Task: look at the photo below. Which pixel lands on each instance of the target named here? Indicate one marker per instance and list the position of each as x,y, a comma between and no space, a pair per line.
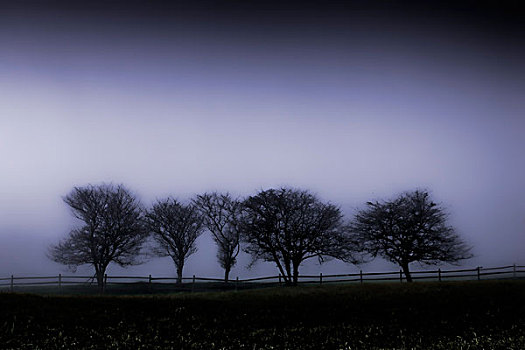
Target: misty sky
354,104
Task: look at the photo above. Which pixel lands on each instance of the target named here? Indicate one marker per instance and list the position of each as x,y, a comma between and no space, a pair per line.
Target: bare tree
175,228
410,228
287,226
112,229
221,215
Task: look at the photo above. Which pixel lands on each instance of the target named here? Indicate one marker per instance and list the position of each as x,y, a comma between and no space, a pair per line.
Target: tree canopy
221,214
287,226
175,228
111,231
409,228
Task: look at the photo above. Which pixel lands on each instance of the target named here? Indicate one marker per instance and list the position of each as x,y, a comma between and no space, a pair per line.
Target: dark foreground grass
468,315
139,288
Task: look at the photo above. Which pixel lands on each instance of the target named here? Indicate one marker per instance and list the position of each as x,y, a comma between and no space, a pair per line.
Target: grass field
456,315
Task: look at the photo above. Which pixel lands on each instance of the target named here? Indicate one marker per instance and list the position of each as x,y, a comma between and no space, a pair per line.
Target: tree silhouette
221,215
112,229
175,228
287,226
407,229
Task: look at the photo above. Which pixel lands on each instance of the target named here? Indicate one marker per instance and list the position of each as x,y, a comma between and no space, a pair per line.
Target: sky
354,101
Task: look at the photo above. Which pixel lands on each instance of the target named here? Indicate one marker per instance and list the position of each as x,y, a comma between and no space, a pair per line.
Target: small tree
221,215
175,228
407,229
287,226
111,231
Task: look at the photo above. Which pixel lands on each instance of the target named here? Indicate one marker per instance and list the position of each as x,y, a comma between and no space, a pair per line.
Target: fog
354,105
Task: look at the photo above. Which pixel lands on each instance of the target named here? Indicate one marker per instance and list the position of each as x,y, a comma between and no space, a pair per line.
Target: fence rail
152,284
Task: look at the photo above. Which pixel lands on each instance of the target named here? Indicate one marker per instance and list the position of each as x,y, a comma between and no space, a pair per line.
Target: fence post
237,283
193,284
280,280
12,283
320,278
439,275
514,271
59,281
401,276
361,276
105,283
149,283
479,273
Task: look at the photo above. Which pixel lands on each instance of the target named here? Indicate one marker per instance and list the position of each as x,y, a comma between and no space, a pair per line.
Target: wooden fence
148,284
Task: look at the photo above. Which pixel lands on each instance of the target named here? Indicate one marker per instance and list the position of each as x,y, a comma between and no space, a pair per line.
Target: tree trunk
99,272
179,272
295,274
406,271
227,274
289,277
281,272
